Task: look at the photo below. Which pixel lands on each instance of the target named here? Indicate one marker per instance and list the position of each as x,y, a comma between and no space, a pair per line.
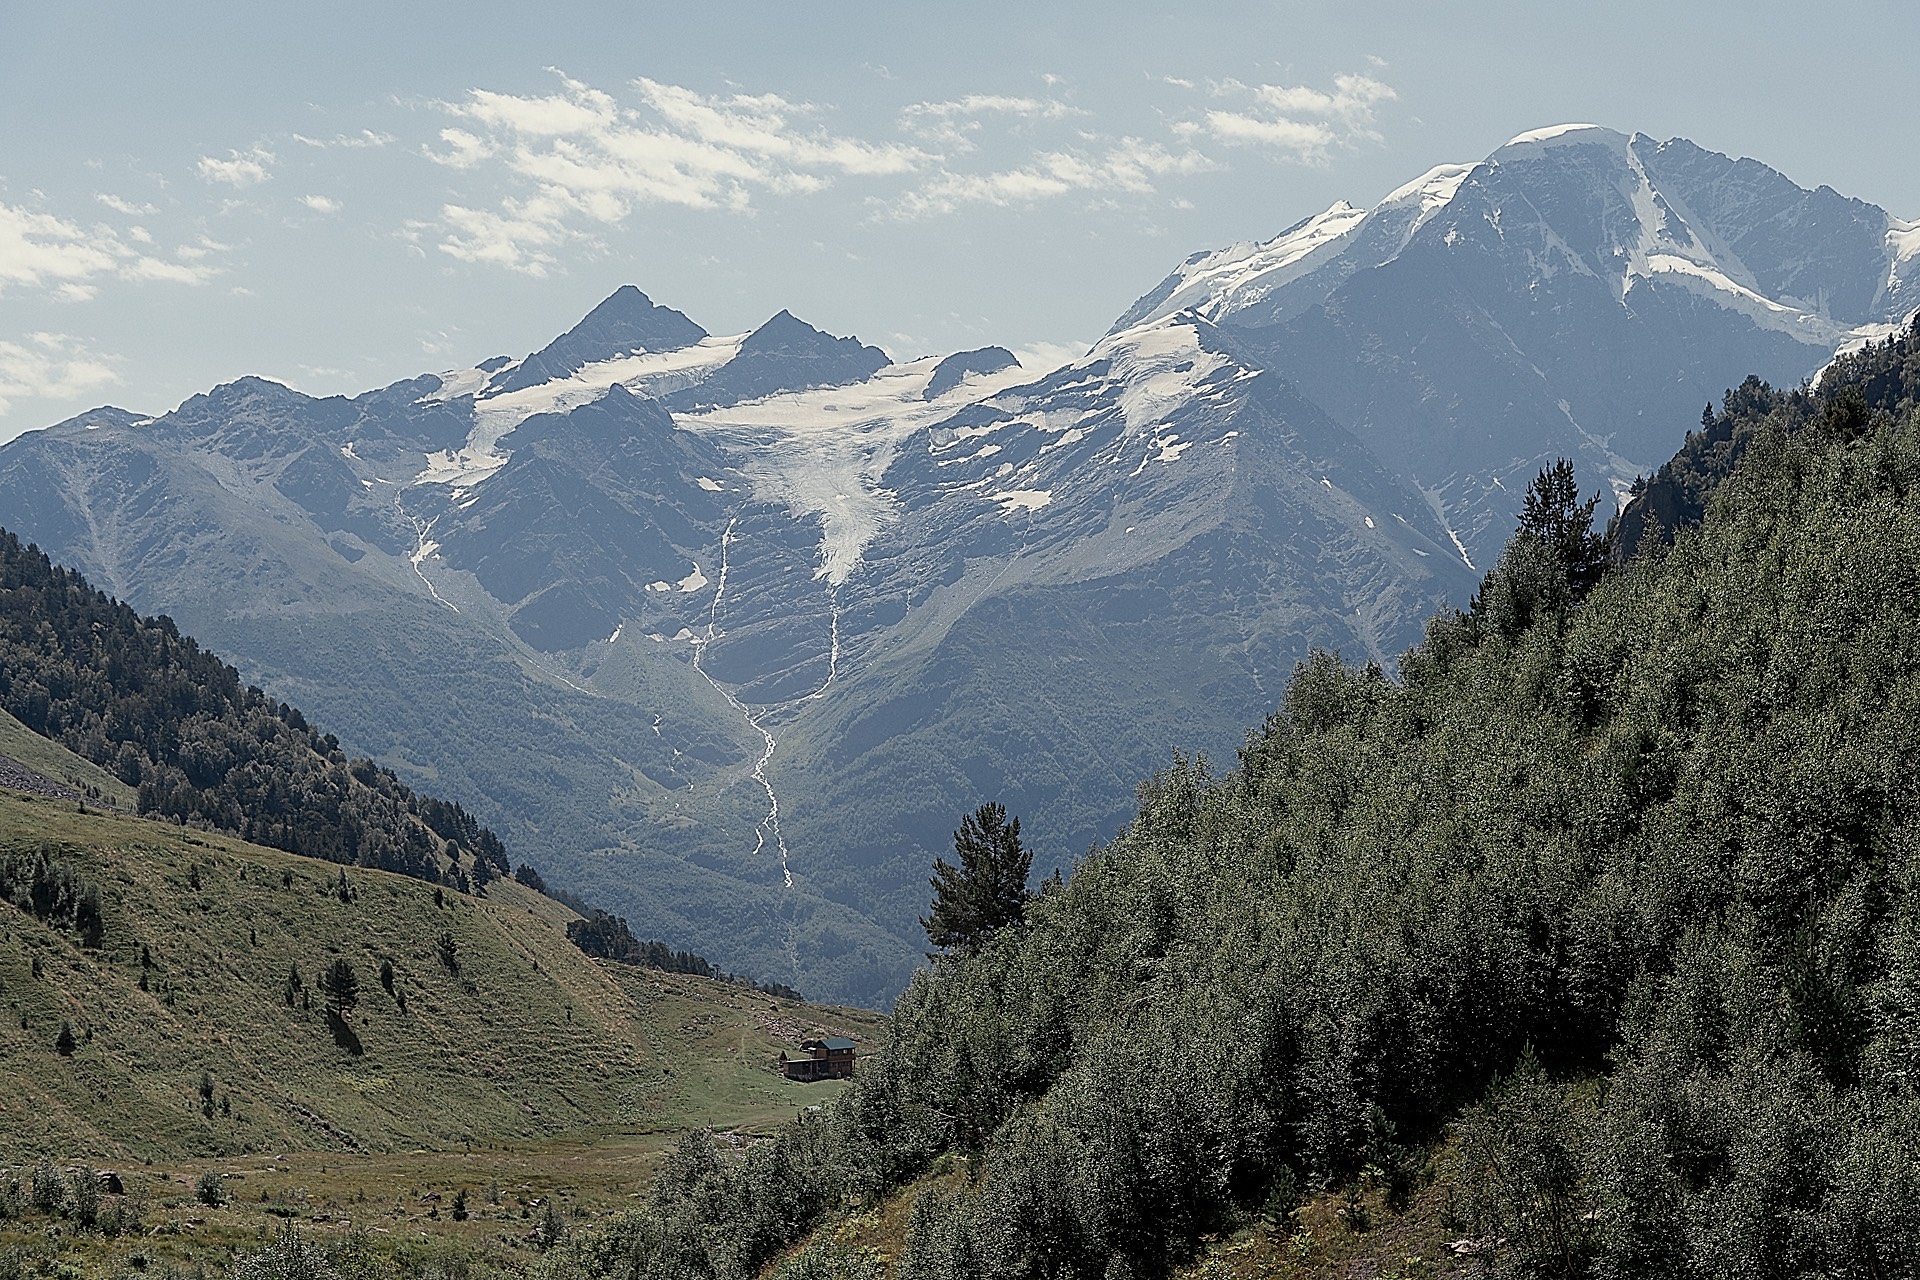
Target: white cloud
247,168
363,140
321,204
127,207
954,122
43,251
1303,122
590,159
50,365
1042,358
1127,165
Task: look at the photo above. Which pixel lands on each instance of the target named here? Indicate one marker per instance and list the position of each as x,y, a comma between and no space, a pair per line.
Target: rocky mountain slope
727,631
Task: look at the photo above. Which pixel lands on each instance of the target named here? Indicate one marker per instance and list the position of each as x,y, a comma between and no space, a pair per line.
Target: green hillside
62,766
520,1037
523,1065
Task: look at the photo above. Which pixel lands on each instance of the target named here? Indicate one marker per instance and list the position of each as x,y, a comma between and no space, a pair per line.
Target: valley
725,631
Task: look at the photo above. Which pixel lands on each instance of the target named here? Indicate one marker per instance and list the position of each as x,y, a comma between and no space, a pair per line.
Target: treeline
1613,895
1878,379
136,697
607,936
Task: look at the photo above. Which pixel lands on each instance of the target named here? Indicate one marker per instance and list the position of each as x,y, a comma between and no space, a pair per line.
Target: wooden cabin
827,1059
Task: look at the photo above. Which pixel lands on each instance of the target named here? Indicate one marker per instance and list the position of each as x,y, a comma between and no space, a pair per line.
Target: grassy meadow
508,1064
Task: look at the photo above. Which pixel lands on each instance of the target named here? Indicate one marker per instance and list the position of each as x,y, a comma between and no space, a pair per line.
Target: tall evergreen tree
988,890
341,986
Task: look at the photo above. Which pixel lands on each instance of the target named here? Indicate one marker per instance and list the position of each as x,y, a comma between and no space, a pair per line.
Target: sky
342,195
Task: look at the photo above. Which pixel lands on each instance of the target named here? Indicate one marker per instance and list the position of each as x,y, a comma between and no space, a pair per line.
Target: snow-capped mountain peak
1591,201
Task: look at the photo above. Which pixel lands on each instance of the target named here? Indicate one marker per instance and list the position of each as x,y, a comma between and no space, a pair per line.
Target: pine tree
341,986
988,890
1563,524
448,953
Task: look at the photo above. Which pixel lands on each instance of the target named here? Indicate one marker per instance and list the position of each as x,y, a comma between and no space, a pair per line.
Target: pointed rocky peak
627,323
788,335
949,373
106,415
784,354
249,395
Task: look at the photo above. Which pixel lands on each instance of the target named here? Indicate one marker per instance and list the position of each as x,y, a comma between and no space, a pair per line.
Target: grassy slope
531,1041
61,765
1329,1236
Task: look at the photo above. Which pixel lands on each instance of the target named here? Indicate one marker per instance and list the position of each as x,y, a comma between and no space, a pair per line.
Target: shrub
83,1195
209,1190
47,1191
286,1257
830,1260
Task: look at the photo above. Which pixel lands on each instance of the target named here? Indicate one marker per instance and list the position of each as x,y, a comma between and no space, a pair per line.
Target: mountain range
728,631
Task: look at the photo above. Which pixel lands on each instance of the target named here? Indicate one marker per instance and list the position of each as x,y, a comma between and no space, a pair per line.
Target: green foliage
340,985
286,1257
208,1189
830,1261
600,933
83,1196
447,952
1521,1188
34,879
47,1192
987,892
294,989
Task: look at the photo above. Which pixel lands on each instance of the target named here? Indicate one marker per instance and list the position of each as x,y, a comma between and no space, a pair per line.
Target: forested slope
136,697
1615,895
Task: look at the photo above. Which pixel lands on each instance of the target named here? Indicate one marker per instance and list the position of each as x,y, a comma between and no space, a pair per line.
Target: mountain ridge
692,612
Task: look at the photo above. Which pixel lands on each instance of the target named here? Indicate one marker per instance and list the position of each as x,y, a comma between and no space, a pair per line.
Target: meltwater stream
768,829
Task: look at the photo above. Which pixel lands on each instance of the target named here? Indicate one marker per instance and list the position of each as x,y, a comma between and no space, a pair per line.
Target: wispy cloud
591,159
547,170
40,250
50,365
247,168
321,204
128,207
361,141
1301,122
953,123
1123,165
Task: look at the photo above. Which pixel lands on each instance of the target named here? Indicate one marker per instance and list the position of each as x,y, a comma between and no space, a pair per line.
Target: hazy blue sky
339,195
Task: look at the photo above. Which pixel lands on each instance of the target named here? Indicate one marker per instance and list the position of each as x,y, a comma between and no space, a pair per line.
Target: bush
1521,1189
830,1260
83,1195
47,1191
286,1257
209,1190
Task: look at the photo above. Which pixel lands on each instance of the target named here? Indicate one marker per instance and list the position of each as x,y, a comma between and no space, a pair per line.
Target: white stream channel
768,828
